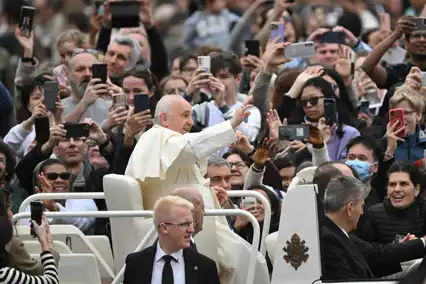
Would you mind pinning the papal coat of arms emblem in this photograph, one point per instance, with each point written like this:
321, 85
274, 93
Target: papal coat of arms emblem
296, 252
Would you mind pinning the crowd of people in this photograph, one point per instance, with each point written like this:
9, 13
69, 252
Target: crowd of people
221, 116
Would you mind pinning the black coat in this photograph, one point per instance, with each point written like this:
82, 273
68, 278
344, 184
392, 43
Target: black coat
346, 258
383, 223
199, 269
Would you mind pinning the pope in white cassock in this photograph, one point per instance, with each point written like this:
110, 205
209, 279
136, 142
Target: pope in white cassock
167, 156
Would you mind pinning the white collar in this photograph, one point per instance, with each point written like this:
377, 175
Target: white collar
344, 232
178, 255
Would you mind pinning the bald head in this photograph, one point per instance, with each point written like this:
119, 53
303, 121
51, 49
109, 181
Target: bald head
175, 113
188, 193
194, 196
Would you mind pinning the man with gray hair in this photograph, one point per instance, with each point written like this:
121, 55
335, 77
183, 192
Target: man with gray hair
122, 55
346, 257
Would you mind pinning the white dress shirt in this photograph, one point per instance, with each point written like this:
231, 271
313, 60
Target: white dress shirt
178, 266
83, 223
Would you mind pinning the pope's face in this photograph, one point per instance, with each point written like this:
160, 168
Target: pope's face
180, 117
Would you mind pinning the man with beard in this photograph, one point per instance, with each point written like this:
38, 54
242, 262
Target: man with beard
88, 95
415, 43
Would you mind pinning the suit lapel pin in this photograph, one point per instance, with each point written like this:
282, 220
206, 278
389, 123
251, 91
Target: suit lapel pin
195, 268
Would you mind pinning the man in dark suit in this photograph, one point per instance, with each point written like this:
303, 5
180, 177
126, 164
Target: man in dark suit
171, 260
346, 257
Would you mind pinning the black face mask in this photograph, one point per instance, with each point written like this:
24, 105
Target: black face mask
418, 57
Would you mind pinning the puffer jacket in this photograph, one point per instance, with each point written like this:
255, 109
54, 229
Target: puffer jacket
386, 224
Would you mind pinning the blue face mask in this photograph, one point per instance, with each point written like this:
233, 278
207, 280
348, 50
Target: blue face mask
362, 168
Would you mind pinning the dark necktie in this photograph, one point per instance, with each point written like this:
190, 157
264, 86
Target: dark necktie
193, 245
167, 270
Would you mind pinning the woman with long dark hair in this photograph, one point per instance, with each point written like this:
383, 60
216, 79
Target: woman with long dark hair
310, 109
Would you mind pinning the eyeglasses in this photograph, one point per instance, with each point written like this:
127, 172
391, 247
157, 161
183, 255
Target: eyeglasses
90, 143
2, 160
185, 225
238, 165
313, 101
78, 51
54, 176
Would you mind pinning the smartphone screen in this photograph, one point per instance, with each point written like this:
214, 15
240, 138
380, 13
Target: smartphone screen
330, 111
333, 37
26, 20
277, 30
364, 107
37, 209
396, 115
141, 102
100, 71
253, 47
42, 129
51, 92
298, 132
77, 130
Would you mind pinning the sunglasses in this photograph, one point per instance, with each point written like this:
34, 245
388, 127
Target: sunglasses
54, 176
313, 101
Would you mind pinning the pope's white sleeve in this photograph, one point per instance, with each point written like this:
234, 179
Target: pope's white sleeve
206, 143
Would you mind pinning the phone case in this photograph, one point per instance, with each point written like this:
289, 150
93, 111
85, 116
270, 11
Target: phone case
36, 209
51, 92
301, 49
77, 130
204, 62
26, 20
277, 30
298, 132
333, 37
253, 47
141, 102
420, 23
397, 114
42, 129
100, 71
125, 14
330, 111
119, 100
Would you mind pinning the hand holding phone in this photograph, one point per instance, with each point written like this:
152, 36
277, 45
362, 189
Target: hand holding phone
330, 111
51, 92
37, 209
100, 71
397, 117
253, 47
77, 130
333, 37
141, 102
26, 20
249, 202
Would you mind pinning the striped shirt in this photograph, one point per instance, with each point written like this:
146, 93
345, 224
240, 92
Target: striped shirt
50, 273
